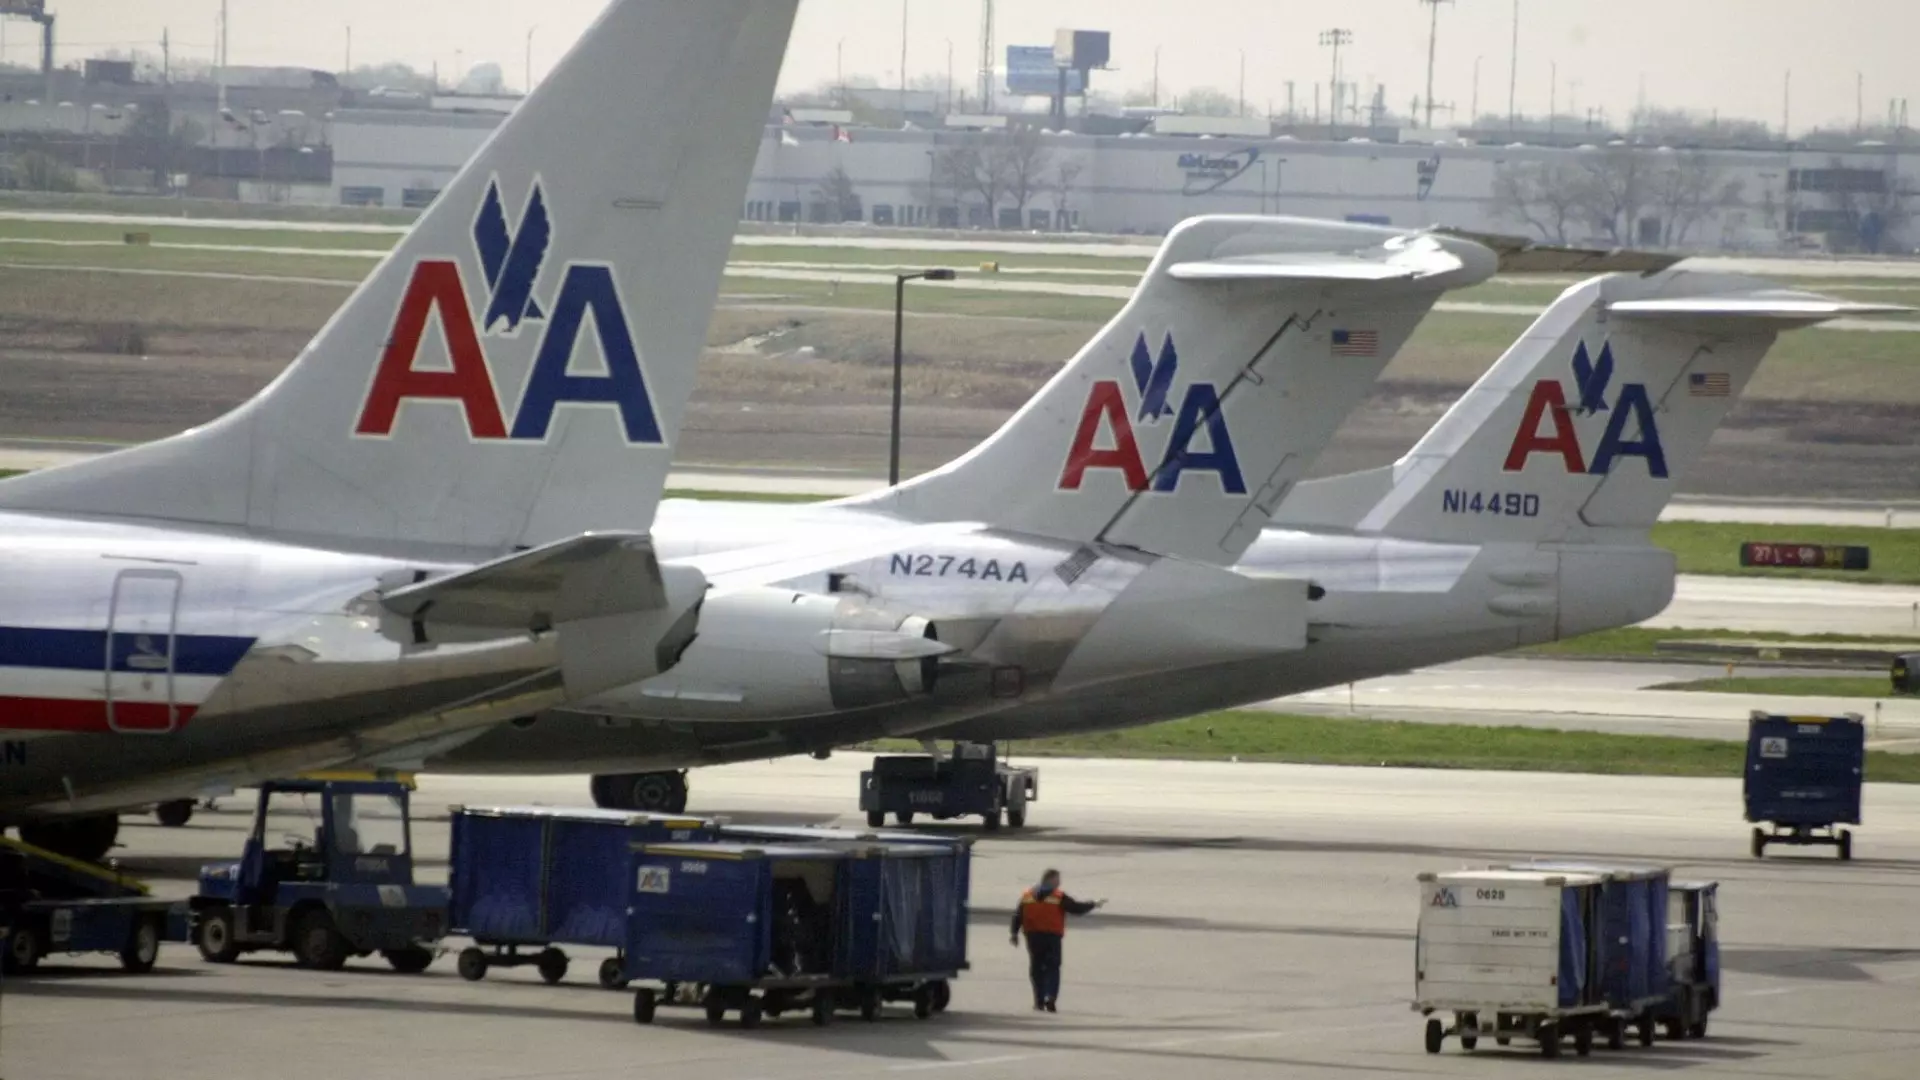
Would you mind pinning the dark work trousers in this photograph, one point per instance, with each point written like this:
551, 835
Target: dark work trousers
1043, 966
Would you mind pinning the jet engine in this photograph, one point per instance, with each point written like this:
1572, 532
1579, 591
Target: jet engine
769, 654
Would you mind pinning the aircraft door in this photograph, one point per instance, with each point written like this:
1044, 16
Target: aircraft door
140, 653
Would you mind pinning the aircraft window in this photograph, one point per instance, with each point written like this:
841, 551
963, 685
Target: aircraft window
368, 824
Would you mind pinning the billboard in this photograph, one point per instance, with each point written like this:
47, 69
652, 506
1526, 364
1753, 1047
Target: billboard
28, 9
1031, 72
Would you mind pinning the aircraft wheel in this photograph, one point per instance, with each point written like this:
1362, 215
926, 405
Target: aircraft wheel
86, 838
174, 814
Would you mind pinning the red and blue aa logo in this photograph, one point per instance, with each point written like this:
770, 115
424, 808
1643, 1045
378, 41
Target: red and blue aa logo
1547, 426
1109, 438
510, 262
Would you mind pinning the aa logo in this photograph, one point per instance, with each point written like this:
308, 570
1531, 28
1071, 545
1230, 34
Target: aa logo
1548, 426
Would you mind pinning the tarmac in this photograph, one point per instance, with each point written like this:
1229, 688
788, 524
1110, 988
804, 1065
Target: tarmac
1261, 924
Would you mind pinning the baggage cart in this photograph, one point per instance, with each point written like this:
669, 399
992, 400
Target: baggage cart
1803, 779
1693, 959
524, 880
1508, 954
759, 930
1629, 942
51, 904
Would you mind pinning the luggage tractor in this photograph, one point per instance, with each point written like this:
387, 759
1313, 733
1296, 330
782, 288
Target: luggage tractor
327, 874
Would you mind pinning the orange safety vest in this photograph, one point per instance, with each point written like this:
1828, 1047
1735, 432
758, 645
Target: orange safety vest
1039, 916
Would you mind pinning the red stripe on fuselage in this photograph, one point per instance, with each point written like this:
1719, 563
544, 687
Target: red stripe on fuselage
69, 715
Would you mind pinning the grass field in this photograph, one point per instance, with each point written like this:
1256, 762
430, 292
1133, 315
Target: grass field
1714, 548
1790, 686
1640, 641
1312, 740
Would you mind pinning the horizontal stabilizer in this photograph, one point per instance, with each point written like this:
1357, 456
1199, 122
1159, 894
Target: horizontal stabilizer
1785, 306
1408, 262
1519, 255
588, 576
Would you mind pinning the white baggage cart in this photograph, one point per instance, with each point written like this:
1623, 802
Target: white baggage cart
1508, 954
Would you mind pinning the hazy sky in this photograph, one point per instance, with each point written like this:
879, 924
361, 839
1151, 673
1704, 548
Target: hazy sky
1733, 55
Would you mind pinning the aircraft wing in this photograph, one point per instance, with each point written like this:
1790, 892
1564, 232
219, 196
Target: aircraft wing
582, 577
1520, 255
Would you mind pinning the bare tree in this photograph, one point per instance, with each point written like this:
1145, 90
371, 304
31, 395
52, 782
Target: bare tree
1544, 196
1614, 189
964, 171
1687, 191
1065, 175
838, 194
1208, 101
1023, 163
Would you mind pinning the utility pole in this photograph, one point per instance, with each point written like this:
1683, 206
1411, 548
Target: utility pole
1243, 82
1513, 76
1786, 110
1553, 97
903, 58
1859, 102
1335, 38
223, 34
166, 56
1473, 118
529, 74
986, 57
1433, 45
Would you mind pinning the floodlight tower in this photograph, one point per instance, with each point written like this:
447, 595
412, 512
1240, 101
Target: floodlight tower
1336, 38
1433, 41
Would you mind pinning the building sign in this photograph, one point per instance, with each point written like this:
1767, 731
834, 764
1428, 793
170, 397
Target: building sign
1206, 172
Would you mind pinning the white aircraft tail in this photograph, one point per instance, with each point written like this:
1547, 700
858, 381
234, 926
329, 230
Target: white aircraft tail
1182, 424
1586, 424
516, 370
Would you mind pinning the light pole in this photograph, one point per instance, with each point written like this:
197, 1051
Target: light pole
1156, 76
949, 75
530, 31
1335, 38
840, 71
899, 331
1433, 44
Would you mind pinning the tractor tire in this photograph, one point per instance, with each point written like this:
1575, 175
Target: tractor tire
1846, 845
903, 818
25, 947
1759, 844
876, 819
143, 947
1017, 817
409, 961
217, 936
318, 943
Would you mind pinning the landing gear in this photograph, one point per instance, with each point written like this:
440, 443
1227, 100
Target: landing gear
654, 792
85, 838
174, 814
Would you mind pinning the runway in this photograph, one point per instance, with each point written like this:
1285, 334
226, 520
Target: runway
1590, 695
1260, 924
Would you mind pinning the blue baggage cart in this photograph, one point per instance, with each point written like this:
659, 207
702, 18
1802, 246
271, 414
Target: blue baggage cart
762, 929
1693, 948
1630, 941
1803, 779
534, 878
51, 904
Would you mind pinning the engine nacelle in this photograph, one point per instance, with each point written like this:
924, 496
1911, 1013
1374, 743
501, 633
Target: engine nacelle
771, 654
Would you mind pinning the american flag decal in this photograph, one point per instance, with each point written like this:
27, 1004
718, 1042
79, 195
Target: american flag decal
1709, 384
1356, 342
1076, 565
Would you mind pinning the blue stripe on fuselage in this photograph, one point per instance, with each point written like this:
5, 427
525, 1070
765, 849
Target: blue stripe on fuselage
86, 650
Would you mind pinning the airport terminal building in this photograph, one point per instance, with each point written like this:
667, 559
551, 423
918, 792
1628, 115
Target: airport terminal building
1145, 183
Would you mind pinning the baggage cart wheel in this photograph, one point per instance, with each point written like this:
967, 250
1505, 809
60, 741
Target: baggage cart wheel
750, 1012
876, 818
1502, 1040
613, 975
1436, 1034
1616, 1033
1759, 844
24, 949
472, 964
942, 995
552, 965
822, 1008
644, 1006
903, 818
1674, 1030
217, 944
1644, 1028
1468, 1042
716, 1008
143, 948
1583, 1041
1549, 1036
1698, 1030
923, 1003
411, 960
1846, 845
993, 819
1017, 819
869, 1003
317, 942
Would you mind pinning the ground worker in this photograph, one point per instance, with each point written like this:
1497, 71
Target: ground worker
1042, 916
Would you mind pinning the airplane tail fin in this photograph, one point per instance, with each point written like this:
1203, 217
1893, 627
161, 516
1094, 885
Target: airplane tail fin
1182, 424
1587, 422
515, 371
